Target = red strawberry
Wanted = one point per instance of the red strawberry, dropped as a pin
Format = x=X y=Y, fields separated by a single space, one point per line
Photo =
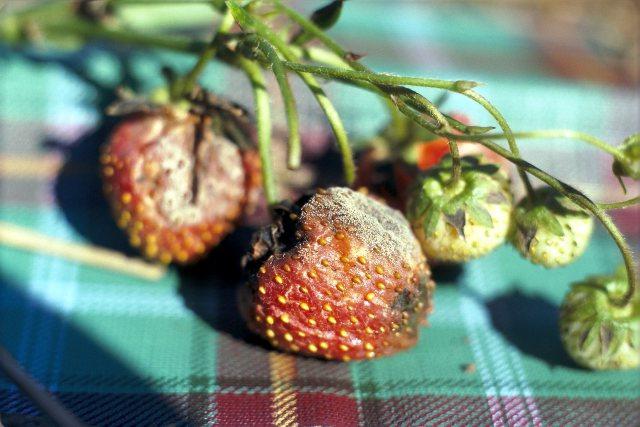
x=340 y=276
x=385 y=179
x=175 y=186
x=430 y=153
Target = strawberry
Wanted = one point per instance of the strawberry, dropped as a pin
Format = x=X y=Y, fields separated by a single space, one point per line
x=383 y=178
x=550 y=230
x=629 y=163
x=338 y=275
x=596 y=333
x=175 y=185
x=459 y=221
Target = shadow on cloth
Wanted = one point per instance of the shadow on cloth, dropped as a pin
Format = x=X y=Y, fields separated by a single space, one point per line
x=209 y=288
x=530 y=323
x=78 y=186
x=62 y=358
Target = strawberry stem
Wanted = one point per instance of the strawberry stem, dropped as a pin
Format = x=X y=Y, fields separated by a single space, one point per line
x=245 y=20
x=295 y=151
x=555 y=133
x=513 y=146
x=263 y=123
x=456 y=168
x=184 y=86
x=620 y=205
x=370 y=76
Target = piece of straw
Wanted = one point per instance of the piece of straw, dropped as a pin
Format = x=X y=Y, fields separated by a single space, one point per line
x=24 y=238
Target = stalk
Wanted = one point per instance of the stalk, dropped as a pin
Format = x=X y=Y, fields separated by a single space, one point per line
x=556 y=133
x=263 y=124
x=513 y=146
x=371 y=77
x=245 y=20
x=295 y=151
x=186 y=84
x=620 y=205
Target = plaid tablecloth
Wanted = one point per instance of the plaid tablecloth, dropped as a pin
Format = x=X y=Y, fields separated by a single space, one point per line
x=117 y=350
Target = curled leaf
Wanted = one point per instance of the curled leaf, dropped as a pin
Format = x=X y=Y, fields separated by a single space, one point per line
x=325 y=18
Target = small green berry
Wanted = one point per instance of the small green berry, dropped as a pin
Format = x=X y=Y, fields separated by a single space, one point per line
x=629 y=164
x=597 y=334
x=550 y=230
x=459 y=221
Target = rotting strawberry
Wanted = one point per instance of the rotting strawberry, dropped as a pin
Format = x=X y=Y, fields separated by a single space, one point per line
x=338 y=275
x=596 y=333
x=175 y=180
x=550 y=230
x=458 y=221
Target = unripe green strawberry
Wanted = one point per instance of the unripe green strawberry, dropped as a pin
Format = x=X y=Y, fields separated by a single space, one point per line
x=629 y=164
x=456 y=222
x=550 y=230
x=596 y=333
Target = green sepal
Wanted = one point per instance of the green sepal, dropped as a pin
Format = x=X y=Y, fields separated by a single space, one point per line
x=431 y=219
x=543 y=213
x=549 y=221
x=479 y=214
x=479 y=130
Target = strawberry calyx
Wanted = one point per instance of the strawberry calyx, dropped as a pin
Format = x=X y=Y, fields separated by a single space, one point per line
x=542 y=212
x=457 y=202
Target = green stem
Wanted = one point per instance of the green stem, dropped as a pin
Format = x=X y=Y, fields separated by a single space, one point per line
x=620 y=205
x=218 y=4
x=246 y=20
x=86 y=29
x=186 y=84
x=386 y=86
x=581 y=200
x=513 y=146
x=456 y=167
x=361 y=70
x=263 y=124
x=371 y=77
x=556 y=133
x=291 y=112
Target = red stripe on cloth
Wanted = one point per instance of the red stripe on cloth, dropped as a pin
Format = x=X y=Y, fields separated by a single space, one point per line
x=243 y=409
x=327 y=409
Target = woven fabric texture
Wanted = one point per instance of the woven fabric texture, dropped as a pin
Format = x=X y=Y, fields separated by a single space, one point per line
x=121 y=351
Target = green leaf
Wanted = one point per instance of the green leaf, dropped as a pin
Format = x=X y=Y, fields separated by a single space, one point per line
x=479 y=214
x=549 y=221
x=325 y=18
x=431 y=219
